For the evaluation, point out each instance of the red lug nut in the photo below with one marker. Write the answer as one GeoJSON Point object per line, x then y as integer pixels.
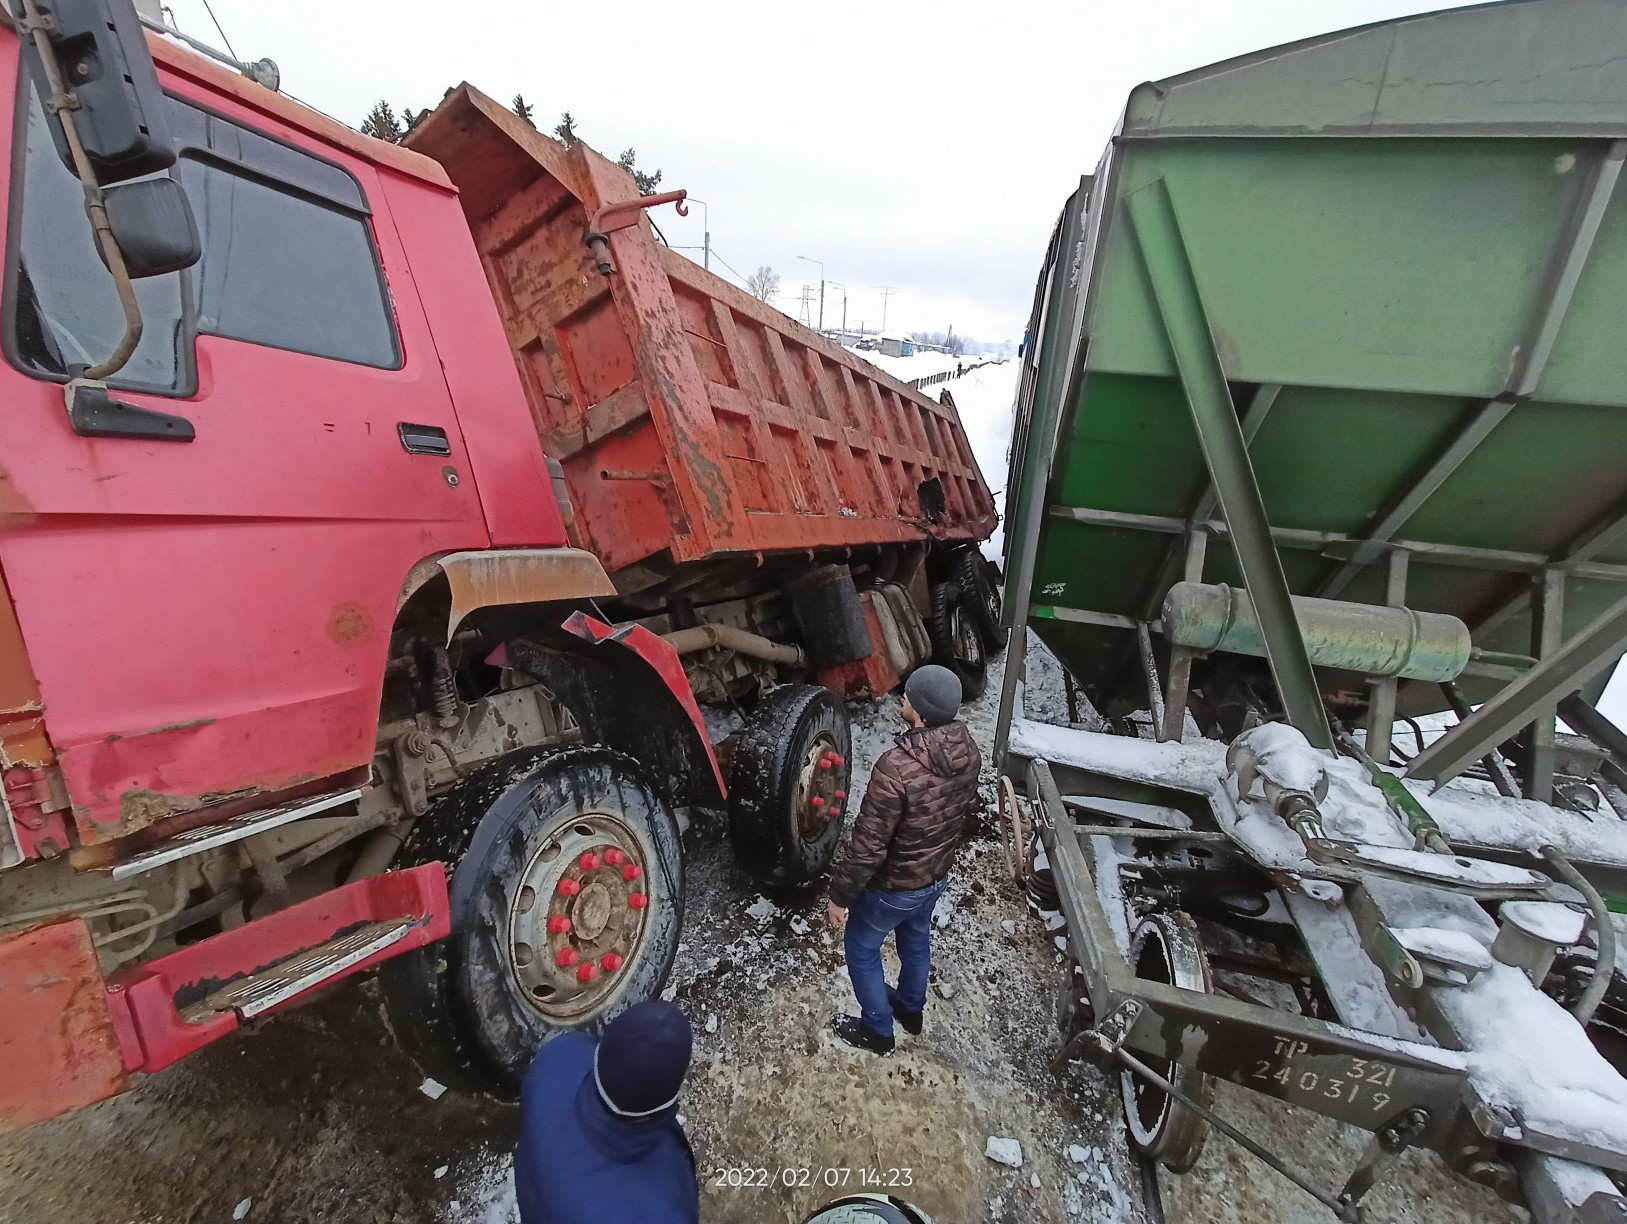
{"type": "Point", "coordinates": [567, 957]}
{"type": "Point", "coordinates": [632, 871]}
{"type": "Point", "coordinates": [558, 924]}
{"type": "Point", "coordinates": [839, 795]}
{"type": "Point", "coordinates": [637, 901]}
{"type": "Point", "coordinates": [834, 810]}
{"type": "Point", "coordinates": [610, 962]}
{"type": "Point", "coordinates": [587, 972]}
{"type": "Point", "coordinates": [817, 801]}
{"type": "Point", "coordinates": [588, 862]}
{"type": "Point", "coordinates": [825, 763]}
{"type": "Point", "coordinates": [836, 759]}
{"type": "Point", "coordinates": [569, 888]}
{"type": "Point", "coordinates": [614, 858]}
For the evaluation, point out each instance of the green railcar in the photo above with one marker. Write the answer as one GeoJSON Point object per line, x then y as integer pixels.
{"type": "Point", "coordinates": [1322, 426]}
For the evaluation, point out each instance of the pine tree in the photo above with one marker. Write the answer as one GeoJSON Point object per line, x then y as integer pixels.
{"type": "Point", "coordinates": [647, 183]}
{"type": "Point", "coordinates": [565, 130]}
{"type": "Point", "coordinates": [381, 123]}
{"type": "Point", "coordinates": [522, 108]}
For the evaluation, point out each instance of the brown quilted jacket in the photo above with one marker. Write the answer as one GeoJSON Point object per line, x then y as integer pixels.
{"type": "Point", "coordinates": [919, 797]}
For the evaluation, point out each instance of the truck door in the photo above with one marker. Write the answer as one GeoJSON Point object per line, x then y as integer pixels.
{"type": "Point", "coordinates": [209, 618]}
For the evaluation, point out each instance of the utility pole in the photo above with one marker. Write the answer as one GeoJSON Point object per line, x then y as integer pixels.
{"type": "Point", "coordinates": [821, 264]}
{"type": "Point", "coordinates": [706, 234]}
{"type": "Point", "coordinates": [843, 288]}
{"type": "Point", "coordinates": [887, 291]}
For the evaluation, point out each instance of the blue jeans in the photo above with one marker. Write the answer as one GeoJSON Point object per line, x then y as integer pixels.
{"type": "Point", "coordinates": [873, 915]}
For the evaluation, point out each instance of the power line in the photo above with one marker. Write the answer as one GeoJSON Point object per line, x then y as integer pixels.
{"type": "Point", "coordinates": [208, 8]}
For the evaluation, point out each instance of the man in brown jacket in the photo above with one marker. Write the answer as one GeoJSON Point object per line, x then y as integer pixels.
{"type": "Point", "coordinates": [895, 864]}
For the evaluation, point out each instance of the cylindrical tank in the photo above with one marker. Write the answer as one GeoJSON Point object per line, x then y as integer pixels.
{"type": "Point", "coordinates": [1376, 641]}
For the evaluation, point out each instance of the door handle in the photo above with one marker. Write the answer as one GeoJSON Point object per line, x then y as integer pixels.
{"type": "Point", "coordinates": [423, 439]}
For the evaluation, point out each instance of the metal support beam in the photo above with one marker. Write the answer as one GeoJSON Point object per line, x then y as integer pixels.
{"type": "Point", "coordinates": [1558, 676]}
{"type": "Point", "coordinates": [1062, 325]}
{"type": "Point", "coordinates": [1335, 544]}
{"type": "Point", "coordinates": [1469, 436]}
{"type": "Point", "coordinates": [1381, 699]}
{"type": "Point", "coordinates": [1605, 533]}
{"type": "Point", "coordinates": [1155, 689]}
{"type": "Point", "coordinates": [1180, 306]}
{"type": "Point", "coordinates": [1180, 657]}
{"type": "Point", "coordinates": [1547, 634]}
{"type": "Point", "coordinates": [1529, 358]}
{"type": "Point", "coordinates": [1265, 398]}
{"type": "Point", "coordinates": [1496, 770]}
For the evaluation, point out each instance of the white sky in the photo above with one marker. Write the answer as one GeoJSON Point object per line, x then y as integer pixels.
{"type": "Point", "coordinates": [926, 146]}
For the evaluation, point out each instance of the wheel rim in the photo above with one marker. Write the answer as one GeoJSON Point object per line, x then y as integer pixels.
{"type": "Point", "coordinates": [578, 916]}
{"type": "Point", "coordinates": [968, 644]}
{"type": "Point", "coordinates": [821, 792]}
{"type": "Point", "coordinates": [1166, 950]}
{"type": "Point", "coordinates": [1014, 835]}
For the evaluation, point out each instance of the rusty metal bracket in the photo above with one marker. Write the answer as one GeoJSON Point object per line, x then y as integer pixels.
{"type": "Point", "coordinates": [619, 216]}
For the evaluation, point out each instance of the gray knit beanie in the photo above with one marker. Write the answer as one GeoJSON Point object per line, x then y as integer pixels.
{"type": "Point", "coordinates": [935, 693]}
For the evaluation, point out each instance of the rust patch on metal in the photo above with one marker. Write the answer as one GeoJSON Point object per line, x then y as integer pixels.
{"type": "Point", "coordinates": [350, 623]}
{"type": "Point", "coordinates": [57, 1040]}
{"type": "Point", "coordinates": [521, 576]}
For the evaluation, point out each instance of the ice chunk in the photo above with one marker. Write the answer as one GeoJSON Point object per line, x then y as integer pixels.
{"type": "Point", "coordinates": [1008, 926]}
{"type": "Point", "coordinates": [441, 1172]}
{"type": "Point", "coordinates": [1004, 1151]}
{"type": "Point", "coordinates": [711, 1023]}
{"type": "Point", "coordinates": [433, 1089]}
{"type": "Point", "coordinates": [943, 911]}
{"type": "Point", "coordinates": [762, 909]}
{"type": "Point", "coordinates": [1033, 1180]}
{"type": "Point", "coordinates": [1076, 1153]}
{"type": "Point", "coordinates": [241, 1211]}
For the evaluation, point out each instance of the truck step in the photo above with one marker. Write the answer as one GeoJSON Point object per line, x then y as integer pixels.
{"type": "Point", "coordinates": [210, 837]}
{"type": "Point", "coordinates": [270, 987]}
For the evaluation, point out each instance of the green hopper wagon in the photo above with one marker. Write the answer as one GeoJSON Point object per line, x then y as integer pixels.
{"type": "Point", "coordinates": [1319, 495]}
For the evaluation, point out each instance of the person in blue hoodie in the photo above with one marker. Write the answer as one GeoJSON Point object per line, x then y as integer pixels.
{"type": "Point", "coordinates": [599, 1134]}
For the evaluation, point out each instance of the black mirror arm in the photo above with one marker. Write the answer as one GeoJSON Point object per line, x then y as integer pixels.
{"type": "Point", "coordinates": [62, 103]}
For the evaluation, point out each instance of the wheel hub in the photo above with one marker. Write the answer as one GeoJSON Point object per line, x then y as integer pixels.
{"type": "Point", "coordinates": [821, 793]}
{"type": "Point", "coordinates": [578, 916]}
{"type": "Point", "coordinates": [968, 645]}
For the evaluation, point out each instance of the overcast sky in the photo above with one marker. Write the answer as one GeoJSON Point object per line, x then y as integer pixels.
{"type": "Point", "coordinates": [924, 146]}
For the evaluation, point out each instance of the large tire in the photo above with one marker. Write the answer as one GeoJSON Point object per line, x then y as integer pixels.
{"type": "Point", "coordinates": [979, 579]}
{"type": "Point", "coordinates": [785, 800]}
{"type": "Point", "coordinates": [956, 641]}
{"type": "Point", "coordinates": [473, 1009]}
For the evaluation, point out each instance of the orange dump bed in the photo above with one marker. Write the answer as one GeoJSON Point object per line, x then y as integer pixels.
{"type": "Point", "coordinates": [691, 419]}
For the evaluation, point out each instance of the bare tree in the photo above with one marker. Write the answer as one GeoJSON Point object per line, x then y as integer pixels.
{"type": "Point", "coordinates": [764, 283]}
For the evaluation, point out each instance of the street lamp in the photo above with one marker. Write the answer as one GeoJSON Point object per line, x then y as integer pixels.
{"type": "Point", "coordinates": [805, 259]}
{"type": "Point", "coordinates": [706, 240]}
{"type": "Point", "coordinates": [843, 288]}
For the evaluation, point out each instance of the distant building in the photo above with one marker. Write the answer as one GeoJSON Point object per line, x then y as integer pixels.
{"type": "Point", "coordinates": [895, 346]}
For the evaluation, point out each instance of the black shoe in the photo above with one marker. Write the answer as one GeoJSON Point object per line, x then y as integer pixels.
{"type": "Point", "coordinates": [910, 1020]}
{"type": "Point", "coordinates": [860, 1035]}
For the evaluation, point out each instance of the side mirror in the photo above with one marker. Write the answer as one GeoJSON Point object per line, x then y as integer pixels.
{"type": "Point", "coordinates": [153, 223]}
{"type": "Point", "coordinates": [101, 50]}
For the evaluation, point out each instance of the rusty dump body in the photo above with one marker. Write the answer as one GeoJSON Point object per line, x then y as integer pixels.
{"type": "Point", "coordinates": [692, 420]}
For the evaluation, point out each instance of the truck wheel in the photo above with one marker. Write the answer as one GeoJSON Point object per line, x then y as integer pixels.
{"type": "Point", "coordinates": [956, 642]}
{"type": "Point", "coordinates": [979, 579]}
{"type": "Point", "coordinates": [788, 785]}
{"type": "Point", "coordinates": [1165, 949]}
{"type": "Point", "coordinates": [567, 897]}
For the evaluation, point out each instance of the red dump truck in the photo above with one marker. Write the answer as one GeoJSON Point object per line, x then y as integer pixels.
{"type": "Point", "coordinates": [372, 522]}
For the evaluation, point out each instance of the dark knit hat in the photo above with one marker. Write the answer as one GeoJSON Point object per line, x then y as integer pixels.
{"type": "Point", "coordinates": [642, 1059]}
{"type": "Point", "coordinates": [935, 693]}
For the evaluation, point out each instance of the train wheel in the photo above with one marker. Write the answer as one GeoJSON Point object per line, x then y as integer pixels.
{"type": "Point", "coordinates": [1166, 949]}
{"type": "Point", "coordinates": [567, 898]}
{"type": "Point", "coordinates": [957, 643]}
{"type": "Point", "coordinates": [1016, 836]}
{"type": "Point", "coordinates": [788, 785]}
